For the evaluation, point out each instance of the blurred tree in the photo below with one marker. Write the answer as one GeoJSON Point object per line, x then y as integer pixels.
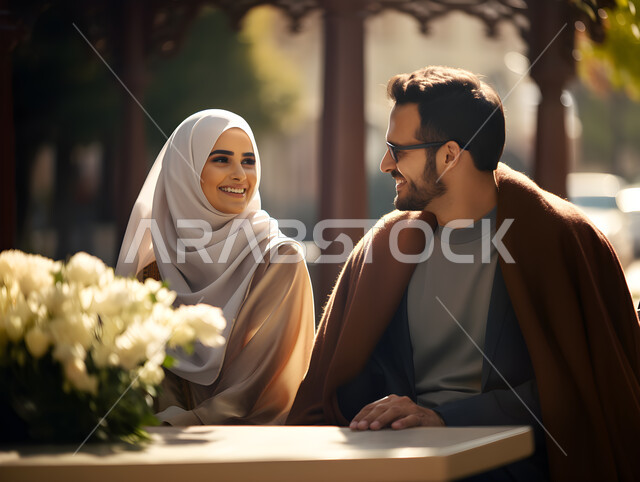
{"type": "Point", "coordinates": [610, 68]}
{"type": "Point", "coordinates": [280, 83]}
{"type": "Point", "coordinates": [609, 140]}
{"type": "Point", "coordinates": [216, 67]}
{"type": "Point", "coordinates": [613, 64]}
{"type": "Point", "coordinates": [61, 89]}
{"type": "Point", "coordinates": [65, 96]}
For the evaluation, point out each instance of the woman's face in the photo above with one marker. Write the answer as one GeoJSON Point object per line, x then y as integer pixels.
{"type": "Point", "coordinates": [229, 175]}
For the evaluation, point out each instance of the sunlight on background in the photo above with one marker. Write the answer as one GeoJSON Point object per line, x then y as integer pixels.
{"type": "Point", "coordinates": [67, 137]}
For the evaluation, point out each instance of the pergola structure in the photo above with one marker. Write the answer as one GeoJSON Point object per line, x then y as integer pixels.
{"type": "Point", "coordinates": [547, 26]}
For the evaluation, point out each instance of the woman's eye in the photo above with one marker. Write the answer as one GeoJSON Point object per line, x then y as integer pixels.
{"type": "Point", "coordinates": [219, 159]}
{"type": "Point", "coordinates": [250, 161]}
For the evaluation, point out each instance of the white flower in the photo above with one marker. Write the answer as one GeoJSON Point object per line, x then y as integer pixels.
{"type": "Point", "coordinates": [63, 352]}
{"type": "Point", "coordinates": [183, 334]}
{"type": "Point", "coordinates": [75, 372]}
{"type": "Point", "coordinates": [110, 328]}
{"type": "Point", "coordinates": [31, 272]}
{"type": "Point", "coordinates": [205, 320]}
{"type": "Point", "coordinates": [103, 356]}
{"type": "Point", "coordinates": [5, 300]}
{"type": "Point", "coordinates": [85, 269]}
{"type": "Point", "coordinates": [152, 284]}
{"type": "Point", "coordinates": [122, 297]}
{"type": "Point", "coordinates": [82, 311]}
{"type": "Point", "coordinates": [151, 374]}
{"type": "Point", "coordinates": [60, 299]}
{"type": "Point", "coordinates": [92, 324]}
{"type": "Point", "coordinates": [17, 319]}
{"type": "Point", "coordinates": [37, 341]}
{"type": "Point", "coordinates": [37, 309]}
{"type": "Point", "coordinates": [141, 342]}
{"type": "Point", "coordinates": [14, 326]}
{"type": "Point", "coordinates": [161, 293]}
{"type": "Point", "coordinates": [74, 328]}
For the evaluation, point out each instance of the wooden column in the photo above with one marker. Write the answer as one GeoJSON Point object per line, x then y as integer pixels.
{"type": "Point", "coordinates": [551, 72]}
{"type": "Point", "coordinates": [342, 157]}
{"type": "Point", "coordinates": [8, 40]}
{"type": "Point", "coordinates": [132, 169]}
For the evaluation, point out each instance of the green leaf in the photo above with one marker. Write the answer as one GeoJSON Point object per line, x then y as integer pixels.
{"type": "Point", "coordinates": [617, 59]}
{"type": "Point", "coordinates": [169, 361]}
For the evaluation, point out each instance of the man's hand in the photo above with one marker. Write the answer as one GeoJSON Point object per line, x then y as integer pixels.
{"type": "Point", "coordinates": [395, 412]}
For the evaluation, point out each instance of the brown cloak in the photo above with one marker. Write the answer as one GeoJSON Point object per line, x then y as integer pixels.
{"type": "Point", "coordinates": [573, 306]}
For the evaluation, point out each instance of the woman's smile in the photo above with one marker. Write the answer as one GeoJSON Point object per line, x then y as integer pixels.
{"type": "Point", "coordinates": [236, 192]}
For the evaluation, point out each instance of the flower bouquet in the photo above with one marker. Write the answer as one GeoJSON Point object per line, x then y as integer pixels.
{"type": "Point", "coordinates": [82, 350]}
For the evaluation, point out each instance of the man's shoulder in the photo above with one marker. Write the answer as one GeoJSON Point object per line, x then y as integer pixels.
{"type": "Point", "coordinates": [399, 228]}
{"type": "Point", "coordinates": [397, 232]}
{"type": "Point", "coordinates": [396, 221]}
{"type": "Point", "coordinates": [518, 193]}
{"type": "Point", "coordinates": [522, 199]}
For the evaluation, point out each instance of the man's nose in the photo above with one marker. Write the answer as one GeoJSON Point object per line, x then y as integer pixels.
{"type": "Point", "coordinates": [387, 164]}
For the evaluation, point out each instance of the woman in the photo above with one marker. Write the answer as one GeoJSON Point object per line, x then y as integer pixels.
{"type": "Point", "coordinates": [197, 224]}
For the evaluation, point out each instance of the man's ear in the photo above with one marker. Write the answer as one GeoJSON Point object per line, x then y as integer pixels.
{"type": "Point", "coordinates": [453, 151]}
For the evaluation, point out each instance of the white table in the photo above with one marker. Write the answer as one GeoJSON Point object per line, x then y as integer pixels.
{"type": "Point", "coordinates": [232, 453]}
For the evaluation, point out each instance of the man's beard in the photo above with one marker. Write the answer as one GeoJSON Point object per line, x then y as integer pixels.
{"type": "Point", "coordinates": [417, 197]}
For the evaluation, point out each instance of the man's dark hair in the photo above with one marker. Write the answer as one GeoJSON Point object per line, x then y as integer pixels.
{"type": "Point", "coordinates": [454, 104]}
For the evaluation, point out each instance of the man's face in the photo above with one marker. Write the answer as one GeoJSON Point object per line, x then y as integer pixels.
{"type": "Point", "coordinates": [415, 172]}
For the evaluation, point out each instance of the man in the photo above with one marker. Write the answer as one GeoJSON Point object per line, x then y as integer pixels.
{"type": "Point", "coordinates": [440, 326]}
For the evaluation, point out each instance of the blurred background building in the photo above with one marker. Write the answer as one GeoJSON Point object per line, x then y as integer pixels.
{"type": "Point", "coordinates": [92, 89]}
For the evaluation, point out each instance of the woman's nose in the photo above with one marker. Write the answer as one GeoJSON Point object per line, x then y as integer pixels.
{"type": "Point", "coordinates": [238, 172]}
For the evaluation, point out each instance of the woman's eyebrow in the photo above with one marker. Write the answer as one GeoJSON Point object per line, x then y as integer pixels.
{"type": "Point", "coordinates": [221, 151]}
{"type": "Point", "coordinates": [230, 153]}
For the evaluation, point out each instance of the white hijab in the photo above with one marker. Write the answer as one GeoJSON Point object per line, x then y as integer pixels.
{"type": "Point", "coordinates": [172, 204]}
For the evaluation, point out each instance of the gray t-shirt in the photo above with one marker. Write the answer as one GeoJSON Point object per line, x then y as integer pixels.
{"type": "Point", "coordinates": [447, 365]}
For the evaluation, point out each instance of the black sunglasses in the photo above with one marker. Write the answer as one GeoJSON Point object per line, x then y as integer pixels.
{"type": "Point", "coordinates": [393, 149]}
